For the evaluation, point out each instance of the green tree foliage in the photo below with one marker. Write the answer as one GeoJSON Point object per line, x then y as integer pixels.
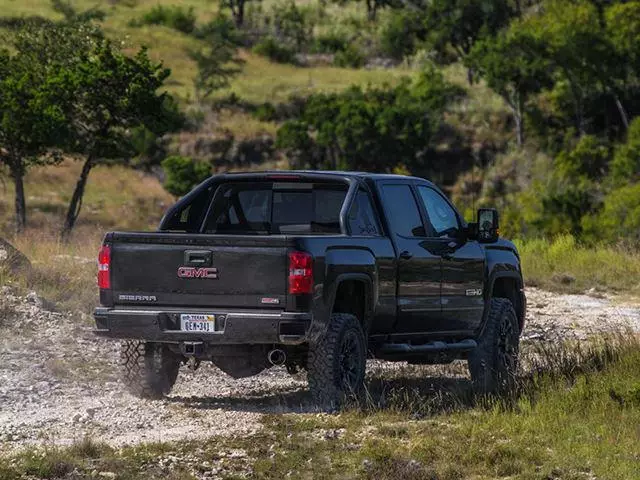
{"type": "Point", "coordinates": [459, 24]}
{"type": "Point", "coordinates": [237, 8]}
{"type": "Point", "coordinates": [116, 93]}
{"type": "Point", "coordinates": [36, 89]}
{"type": "Point", "coordinates": [182, 174]}
{"type": "Point", "coordinates": [619, 217]}
{"type": "Point", "coordinates": [584, 60]}
{"type": "Point", "coordinates": [625, 166]}
{"type": "Point", "coordinates": [514, 65]}
{"type": "Point", "coordinates": [588, 159]}
{"type": "Point", "coordinates": [217, 61]}
{"type": "Point", "coordinates": [401, 33]}
{"type": "Point", "coordinates": [375, 129]}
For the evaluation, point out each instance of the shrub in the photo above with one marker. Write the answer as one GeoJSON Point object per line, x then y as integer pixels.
{"type": "Point", "coordinates": [626, 162]}
{"type": "Point", "coordinates": [182, 174]}
{"type": "Point", "coordinates": [274, 51]}
{"type": "Point", "coordinates": [221, 27]}
{"type": "Point", "coordinates": [401, 34]}
{"type": "Point", "coordinates": [173, 16]}
{"type": "Point", "coordinates": [292, 24]}
{"type": "Point", "coordinates": [330, 42]}
{"type": "Point", "coordinates": [619, 217]}
{"type": "Point", "coordinates": [265, 112]}
{"type": "Point", "coordinates": [351, 57]}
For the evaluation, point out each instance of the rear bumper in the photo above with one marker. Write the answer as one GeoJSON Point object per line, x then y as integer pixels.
{"type": "Point", "coordinates": [258, 327]}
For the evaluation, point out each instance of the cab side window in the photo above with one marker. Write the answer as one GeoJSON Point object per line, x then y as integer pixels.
{"type": "Point", "coordinates": [443, 218]}
{"type": "Point", "coordinates": [402, 211]}
{"type": "Point", "coordinates": [362, 217]}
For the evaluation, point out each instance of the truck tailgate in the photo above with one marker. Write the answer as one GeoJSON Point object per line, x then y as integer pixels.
{"type": "Point", "coordinates": [204, 270]}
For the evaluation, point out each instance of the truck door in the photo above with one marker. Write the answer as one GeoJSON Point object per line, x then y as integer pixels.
{"type": "Point", "coordinates": [419, 271]}
{"type": "Point", "coordinates": [463, 263]}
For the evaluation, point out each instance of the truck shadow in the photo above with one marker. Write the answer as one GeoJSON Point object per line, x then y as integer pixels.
{"type": "Point", "coordinates": [420, 396]}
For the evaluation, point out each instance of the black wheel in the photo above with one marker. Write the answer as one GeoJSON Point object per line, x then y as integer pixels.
{"type": "Point", "coordinates": [494, 363]}
{"type": "Point", "coordinates": [149, 370]}
{"type": "Point", "coordinates": [336, 364]}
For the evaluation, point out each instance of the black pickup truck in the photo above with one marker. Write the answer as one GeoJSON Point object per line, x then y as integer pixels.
{"type": "Point", "coordinates": [312, 270]}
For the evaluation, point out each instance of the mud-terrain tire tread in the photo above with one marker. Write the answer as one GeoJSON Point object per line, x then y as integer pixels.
{"type": "Point", "coordinates": [149, 370]}
{"type": "Point", "coordinates": [323, 370]}
{"type": "Point", "coordinates": [490, 376]}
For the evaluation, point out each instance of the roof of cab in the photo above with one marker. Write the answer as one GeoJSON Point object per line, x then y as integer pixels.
{"type": "Point", "coordinates": [343, 174]}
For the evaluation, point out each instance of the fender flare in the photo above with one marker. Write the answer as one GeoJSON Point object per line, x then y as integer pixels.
{"type": "Point", "coordinates": [370, 294]}
{"type": "Point", "coordinates": [489, 294]}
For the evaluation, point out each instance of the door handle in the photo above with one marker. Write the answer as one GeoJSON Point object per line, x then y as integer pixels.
{"type": "Point", "coordinates": [406, 255]}
{"type": "Point", "coordinates": [197, 258]}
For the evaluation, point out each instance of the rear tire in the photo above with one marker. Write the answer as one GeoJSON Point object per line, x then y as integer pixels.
{"type": "Point", "coordinates": [149, 370]}
{"type": "Point", "coordinates": [494, 363]}
{"type": "Point", "coordinates": [337, 362]}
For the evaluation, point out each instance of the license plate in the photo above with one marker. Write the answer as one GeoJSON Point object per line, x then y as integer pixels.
{"type": "Point", "coordinates": [200, 323]}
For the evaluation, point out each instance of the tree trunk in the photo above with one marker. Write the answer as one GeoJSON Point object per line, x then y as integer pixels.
{"type": "Point", "coordinates": [623, 113]}
{"type": "Point", "coordinates": [519, 119]}
{"type": "Point", "coordinates": [17, 174]}
{"type": "Point", "coordinates": [75, 204]}
{"type": "Point", "coordinates": [240, 13]}
{"type": "Point", "coordinates": [470, 76]}
{"type": "Point", "coordinates": [372, 7]}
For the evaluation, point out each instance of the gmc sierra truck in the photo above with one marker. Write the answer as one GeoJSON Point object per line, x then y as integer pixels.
{"type": "Point", "coordinates": [316, 271]}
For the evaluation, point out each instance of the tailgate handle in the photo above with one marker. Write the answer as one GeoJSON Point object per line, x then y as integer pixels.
{"type": "Point", "coordinates": [197, 258]}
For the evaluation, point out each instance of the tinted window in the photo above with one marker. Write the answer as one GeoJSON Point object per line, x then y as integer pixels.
{"type": "Point", "coordinates": [442, 217]}
{"type": "Point", "coordinates": [362, 217]}
{"type": "Point", "coordinates": [271, 207]}
{"type": "Point", "coordinates": [402, 211]}
{"type": "Point", "coordinates": [190, 217]}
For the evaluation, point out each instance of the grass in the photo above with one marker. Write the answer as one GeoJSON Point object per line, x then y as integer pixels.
{"type": "Point", "coordinates": [563, 264]}
{"type": "Point", "coordinates": [579, 419]}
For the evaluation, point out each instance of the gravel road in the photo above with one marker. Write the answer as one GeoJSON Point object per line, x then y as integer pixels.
{"type": "Point", "coordinates": [58, 383]}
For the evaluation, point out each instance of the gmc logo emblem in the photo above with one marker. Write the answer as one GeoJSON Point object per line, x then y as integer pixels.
{"type": "Point", "coordinates": [197, 272]}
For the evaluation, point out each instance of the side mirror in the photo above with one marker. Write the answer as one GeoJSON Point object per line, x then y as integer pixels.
{"type": "Point", "coordinates": [488, 225]}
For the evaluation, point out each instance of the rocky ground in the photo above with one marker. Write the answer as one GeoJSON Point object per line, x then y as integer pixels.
{"type": "Point", "coordinates": [58, 383]}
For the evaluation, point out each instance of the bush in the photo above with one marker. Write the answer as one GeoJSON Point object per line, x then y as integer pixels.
{"type": "Point", "coordinates": [330, 42]}
{"type": "Point", "coordinates": [292, 24]}
{"type": "Point", "coordinates": [351, 57]}
{"type": "Point", "coordinates": [401, 34]}
{"type": "Point", "coordinates": [274, 51]}
{"type": "Point", "coordinates": [173, 16]}
{"type": "Point", "coordinates": [183, 174]}
{"type": "Point", "coordinates": [626, 162]}
{"type": "Point", "coordinates": [619, 217]}
{"type": "Point", "coordinates": [265, 112]}
{"type": "Point", "coordinates": [221, 27]}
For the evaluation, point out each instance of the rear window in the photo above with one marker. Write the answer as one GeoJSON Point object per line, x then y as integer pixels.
{"type": "Point", "coordinates": [276, 208]}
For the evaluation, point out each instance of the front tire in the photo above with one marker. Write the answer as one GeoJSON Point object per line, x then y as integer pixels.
{"type": "Point", "coordinates": [337, 362]}
{"type": "Point", "coordinates": [149, 370]}
{"type": "Point", "coordinates": [494, 363]}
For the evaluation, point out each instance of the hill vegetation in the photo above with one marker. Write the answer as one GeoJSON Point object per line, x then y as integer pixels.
{"type": "Point", "coordinates": [530, 106]}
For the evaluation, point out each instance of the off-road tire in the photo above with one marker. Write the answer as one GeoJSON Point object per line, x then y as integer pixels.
{"type": "Point", "coordinates": [149, 370]}
{"type": "Point", "coordinates": [337, 362]}
{"type": "Point", "coordinates": [494, 363]}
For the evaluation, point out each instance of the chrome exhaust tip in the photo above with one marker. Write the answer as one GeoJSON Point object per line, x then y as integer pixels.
{"type": "Point", "coordinates": [276, 357]}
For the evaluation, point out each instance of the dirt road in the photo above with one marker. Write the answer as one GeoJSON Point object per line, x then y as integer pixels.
{"type": "Point", "coordinates": [58, 383]}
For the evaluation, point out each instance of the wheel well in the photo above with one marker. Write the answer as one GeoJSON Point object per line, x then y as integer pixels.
{"type": "Point", "coordinates": [352, 298]}
{"type": "Point", "coordinates": [508, 288]}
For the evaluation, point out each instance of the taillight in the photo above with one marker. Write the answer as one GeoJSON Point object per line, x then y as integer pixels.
{"type": "Point", "coordinates": [104, 267]}
{"type": "Point", "coordinates": [300, 273]}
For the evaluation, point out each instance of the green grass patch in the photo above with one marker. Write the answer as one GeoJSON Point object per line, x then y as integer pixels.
{"type": "Point", "coordinates": [563, 264]}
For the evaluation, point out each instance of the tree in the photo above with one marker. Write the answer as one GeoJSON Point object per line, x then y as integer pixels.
{"type": "Point", "coordinates": [183, 174]}
{"type": "Point", "coordinates": [459, 24]}
{"type": "Point", "coordinates": [116, 93]}
{"type": "Point", "coordinates": [515, 66]}
{"type": "Point", "coordinates": [375, 129]}
{"type": "Point", "coordinates": [625, 166]}
{"type": "Point", "coordinates": [218, 61]}
{"type": "Point", "coordinates": [36, 89]}
{"type": "Point", "coordinates": [237, 8]}
{"type": "Point", "coordinates": [583, 59]}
